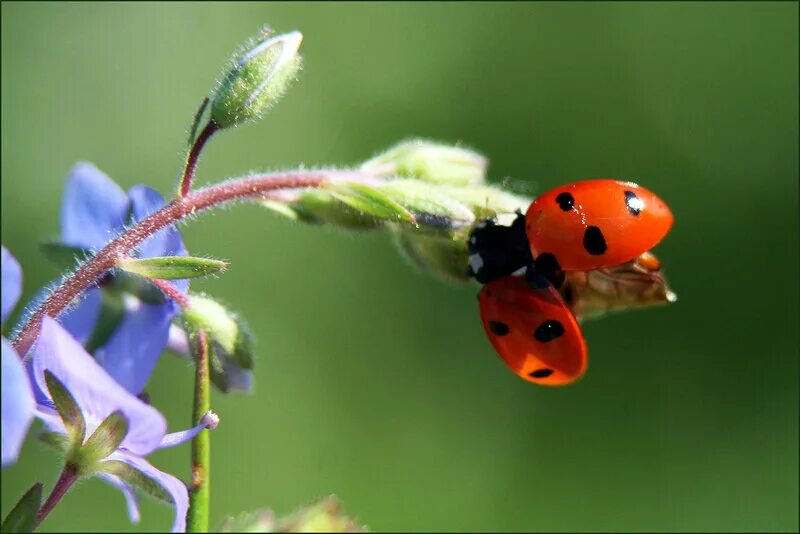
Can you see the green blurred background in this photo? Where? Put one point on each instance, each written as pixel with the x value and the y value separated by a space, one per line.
pixel 375 382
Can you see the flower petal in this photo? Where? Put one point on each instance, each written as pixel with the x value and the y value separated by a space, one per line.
pixel 81 319
pixel 11 282
pixel 166 242
pixel 17 403
pixel 209 421
pixel 176 489
pixel 131 499
pixel 130 355
pixel 95 391
pixel 94 208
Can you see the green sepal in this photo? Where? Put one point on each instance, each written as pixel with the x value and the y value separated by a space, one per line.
pixel 112 311
pixel 22 517
pixel 68 409
pixel 317 206
pixel 281 208
pixel 64 256
pixel 445 256
pixel 429 161
pixel 135 478
pixel 172 267
pixel 56 441
pixel 428 204
pixel 103 441
pixel 370 201
pixel 262 520
pixel 325 515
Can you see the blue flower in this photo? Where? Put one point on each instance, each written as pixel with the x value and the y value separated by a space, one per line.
pixel 98 395
pixel 94 211
pixel 17 397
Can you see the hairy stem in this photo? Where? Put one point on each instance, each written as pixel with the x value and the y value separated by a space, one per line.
pixel 191 159
pixel 172 292
pixel 248 187
pixel 68 477
pixel 197 518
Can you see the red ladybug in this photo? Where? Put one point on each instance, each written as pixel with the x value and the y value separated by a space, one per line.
pixel 582 226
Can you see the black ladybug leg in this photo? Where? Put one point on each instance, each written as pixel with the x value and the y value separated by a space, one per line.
pixel 544 271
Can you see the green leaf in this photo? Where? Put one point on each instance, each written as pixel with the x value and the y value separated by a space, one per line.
pixel 112 311
pixel 172 267
pixel 103 441
pixel 370 201
pixel 64 256
pixel 135 478
pixel 23 516
pixel 68 409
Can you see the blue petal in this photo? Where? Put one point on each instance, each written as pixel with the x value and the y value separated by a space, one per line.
pixel 17 404
pixel 130 355
pixel 176 489
pixel 95 392
pixel 80 320
pixel 166 242
pixel 94 208
pixel 11 282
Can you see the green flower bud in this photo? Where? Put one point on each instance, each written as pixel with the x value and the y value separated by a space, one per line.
pixel 231 343
pixel 431 162
pixel 325 516
pixel 256 79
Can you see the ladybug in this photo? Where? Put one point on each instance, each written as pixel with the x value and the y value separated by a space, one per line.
pixel 581 246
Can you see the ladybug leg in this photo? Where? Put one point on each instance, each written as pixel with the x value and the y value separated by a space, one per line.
pixel 544 271
pixel 496 251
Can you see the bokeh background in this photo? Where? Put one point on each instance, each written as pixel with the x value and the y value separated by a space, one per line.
pixel 375 382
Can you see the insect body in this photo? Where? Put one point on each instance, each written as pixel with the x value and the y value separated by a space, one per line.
pixel 581 249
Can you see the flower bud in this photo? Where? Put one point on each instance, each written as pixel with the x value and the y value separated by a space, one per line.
pixel 257 77
pixel 231 343
pixel 431 162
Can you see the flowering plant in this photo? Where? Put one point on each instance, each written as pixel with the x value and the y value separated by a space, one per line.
pixel 80 359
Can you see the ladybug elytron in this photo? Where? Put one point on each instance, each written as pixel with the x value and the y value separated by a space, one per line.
pixel 578 242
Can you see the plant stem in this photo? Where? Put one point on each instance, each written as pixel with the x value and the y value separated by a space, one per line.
pixel 191 159
pixel 68 477
pixel 172 292
pixel 237 189
pixel 197 518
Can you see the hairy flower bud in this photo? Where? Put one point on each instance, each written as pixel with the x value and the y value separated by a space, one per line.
pixel 256 79
pixel 430 162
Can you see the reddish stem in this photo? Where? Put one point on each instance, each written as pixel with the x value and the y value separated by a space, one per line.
pixel 172 292
pixel 191 160
pixel 68 477
pixel 105 259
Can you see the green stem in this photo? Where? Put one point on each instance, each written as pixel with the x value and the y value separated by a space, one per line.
pixel 197 519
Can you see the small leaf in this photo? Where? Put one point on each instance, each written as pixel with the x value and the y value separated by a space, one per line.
pixel 62 255
pixel 23 516
pixel 112 311
pixel 172 267
pixel 103 441
pixel 370 201
pixel 67 408
pixel 135 478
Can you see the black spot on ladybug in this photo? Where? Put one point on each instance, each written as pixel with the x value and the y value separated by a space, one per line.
pixel 541 373
pixel 498 328
pixel 565 201
pixel 594 242
pixel 548 331
pixel 633 203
